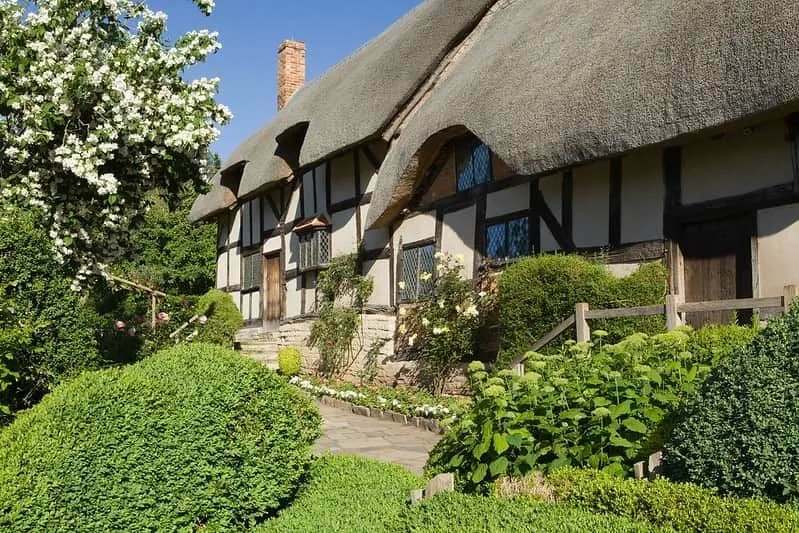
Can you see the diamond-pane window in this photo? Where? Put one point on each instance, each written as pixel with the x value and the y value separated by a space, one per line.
pixel 473 165
pixel 251 271
pixel 314 249
pixel 508 240
pixel 418 265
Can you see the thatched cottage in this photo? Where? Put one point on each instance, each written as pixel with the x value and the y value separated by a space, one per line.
pixel 644 131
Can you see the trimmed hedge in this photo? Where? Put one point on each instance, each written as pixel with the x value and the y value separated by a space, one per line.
pixel 224 318
pixel 682 507
pixel 289 361
pixel 537 293
pixel 454 512
pixel 740 434
pixel 347 493
pixel 195 435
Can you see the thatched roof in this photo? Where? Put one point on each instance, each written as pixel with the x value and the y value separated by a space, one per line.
pixel 545 83
pixel 357 98
pixel 551 83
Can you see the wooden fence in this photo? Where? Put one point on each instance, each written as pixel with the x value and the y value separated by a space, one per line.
pixel 674 309
pixel 154 295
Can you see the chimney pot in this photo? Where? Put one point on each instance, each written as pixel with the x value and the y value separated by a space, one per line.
pixel 290 70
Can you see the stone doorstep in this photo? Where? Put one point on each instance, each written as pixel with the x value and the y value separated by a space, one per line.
pixel 427 424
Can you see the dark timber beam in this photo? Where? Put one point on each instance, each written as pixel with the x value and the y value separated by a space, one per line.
pixel 564 240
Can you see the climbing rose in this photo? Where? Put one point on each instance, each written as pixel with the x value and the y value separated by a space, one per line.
pixel 94 113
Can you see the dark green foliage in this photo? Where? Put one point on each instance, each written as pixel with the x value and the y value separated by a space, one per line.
pixel 289 361
pixel 170 253
pixel 453 512
pixel 741 433
pixel 597 406
pixel 195 435
pixel 224 318
pixel 349 494
pixel 681 507
pixel 52 330
pixel 537 293
pixel 715 343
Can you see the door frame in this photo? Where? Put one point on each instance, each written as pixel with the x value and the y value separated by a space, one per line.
pixel 272 325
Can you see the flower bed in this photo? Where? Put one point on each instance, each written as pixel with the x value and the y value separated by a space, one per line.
pixel 407 402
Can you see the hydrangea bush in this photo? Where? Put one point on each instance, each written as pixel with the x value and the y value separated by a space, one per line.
pixel 95 112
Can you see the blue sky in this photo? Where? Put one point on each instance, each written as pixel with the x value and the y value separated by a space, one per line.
pixel 251 30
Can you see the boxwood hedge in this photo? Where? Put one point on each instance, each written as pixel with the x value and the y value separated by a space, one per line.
pixel 224 318
pixel 193 436
pixel 740 435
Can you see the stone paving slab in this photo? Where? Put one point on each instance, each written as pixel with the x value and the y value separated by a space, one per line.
pixel 346 433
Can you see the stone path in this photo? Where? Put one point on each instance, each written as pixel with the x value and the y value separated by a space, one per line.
pixel 347 433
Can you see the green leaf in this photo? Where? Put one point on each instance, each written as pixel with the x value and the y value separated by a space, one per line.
pixel 456 461
pixel 633 424
pixel 614 469
pixel 618 410
pixel 500 443
pixel 479 473
pixel 621 442
pixel 499 466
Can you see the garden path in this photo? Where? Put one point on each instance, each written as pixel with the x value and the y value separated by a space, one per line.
pixel 346 433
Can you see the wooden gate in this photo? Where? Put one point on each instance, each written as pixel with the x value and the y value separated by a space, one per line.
pixel 718 265
pixel 273 292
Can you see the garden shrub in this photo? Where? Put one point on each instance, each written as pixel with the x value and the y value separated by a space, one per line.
pixel 289 361
pixel 740 434
pixel 680 507
pixel 193 436
pixel 451 512
pixel 56 332
pixel 224 318
pixel 440 332
pixel 716 342
pixel 537 293
pixel 600 406
pixel 347 493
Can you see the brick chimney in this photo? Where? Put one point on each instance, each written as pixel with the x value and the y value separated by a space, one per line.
pixel 290 70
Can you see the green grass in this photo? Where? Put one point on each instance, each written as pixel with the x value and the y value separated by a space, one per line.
pixel 353 495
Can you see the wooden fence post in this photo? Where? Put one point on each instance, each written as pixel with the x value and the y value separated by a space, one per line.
pixel 583 329
pixel 789 295
pixel 153 310
pixel 673 320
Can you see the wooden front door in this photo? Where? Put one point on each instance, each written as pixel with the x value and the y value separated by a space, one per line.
pixel 273 291
pixel 718 265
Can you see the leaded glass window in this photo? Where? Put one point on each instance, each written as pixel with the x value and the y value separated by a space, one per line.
pixel 508 239
pixel 251 271
pixel 418 265
pixel 314 249
pixel 473 165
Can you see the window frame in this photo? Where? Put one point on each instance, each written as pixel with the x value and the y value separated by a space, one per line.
pixel 247 272
pixel 506 221
pixel 314 236
pixel 423 290
pixel 468 149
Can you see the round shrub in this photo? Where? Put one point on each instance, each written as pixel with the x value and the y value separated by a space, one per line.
pixel 194 436
pixel 537 293
pixel 224 318
pixel 740 434
pixel 289 361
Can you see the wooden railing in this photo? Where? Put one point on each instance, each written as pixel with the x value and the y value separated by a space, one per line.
pixel 154 295
pixel 674 309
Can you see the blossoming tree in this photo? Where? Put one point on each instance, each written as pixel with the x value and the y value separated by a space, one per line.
pixel 94 113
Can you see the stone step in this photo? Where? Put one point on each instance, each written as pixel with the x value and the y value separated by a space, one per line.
pixel 259 347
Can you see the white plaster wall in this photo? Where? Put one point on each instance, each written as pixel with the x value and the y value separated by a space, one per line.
pixel 622 270
pixel 235 226
pixel 293 211
pixel 551 188
pixel 778 249
pixel 342 178
pixel 736 163
pixel 236 296
pixel 591 205
pixel 344 237
pixel 272 244
pixel 642 196
pixel 293 297
pixel 234 266
pixel 415 228
pixel 374 239
pixel 380 272
pixel 368 173
pixel 221 271
pixel 245 306
pixel 310 292
pixel 508 200
pixel 457 236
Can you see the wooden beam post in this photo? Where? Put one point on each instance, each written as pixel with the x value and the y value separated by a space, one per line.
pixel 518 369
pixel 789 295
pixel 583 329
pixel 153 310
pixel 673 320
